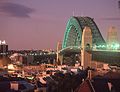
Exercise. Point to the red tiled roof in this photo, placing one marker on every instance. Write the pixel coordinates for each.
(85, 87)
(112, 75)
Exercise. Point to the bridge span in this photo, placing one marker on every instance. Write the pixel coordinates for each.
(82, 36)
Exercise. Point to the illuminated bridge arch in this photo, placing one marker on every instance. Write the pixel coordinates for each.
(74, 29)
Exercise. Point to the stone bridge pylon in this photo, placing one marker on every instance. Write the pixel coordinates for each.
(86, 45)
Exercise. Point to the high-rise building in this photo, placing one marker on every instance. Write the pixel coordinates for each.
(3, 47)
(112, 38)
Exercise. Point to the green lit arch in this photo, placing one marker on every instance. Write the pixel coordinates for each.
(74, 28)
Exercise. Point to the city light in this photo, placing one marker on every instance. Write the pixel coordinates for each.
(3, 42)
(11, 67)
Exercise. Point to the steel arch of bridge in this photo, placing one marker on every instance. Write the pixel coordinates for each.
(74, 29)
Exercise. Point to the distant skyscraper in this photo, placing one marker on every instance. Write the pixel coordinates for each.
(3, 47)
(112, 38)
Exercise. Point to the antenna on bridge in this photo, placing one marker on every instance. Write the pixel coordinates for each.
(82, 14)
(73, 13)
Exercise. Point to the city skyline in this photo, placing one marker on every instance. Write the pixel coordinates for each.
(41, 24)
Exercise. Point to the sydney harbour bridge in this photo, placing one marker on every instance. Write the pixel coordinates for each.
(84, 43)
(77, 41)
(74, 29)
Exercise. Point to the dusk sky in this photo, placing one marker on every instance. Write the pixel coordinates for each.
(40, 24)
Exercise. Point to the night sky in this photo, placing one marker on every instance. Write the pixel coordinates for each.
(40, 24)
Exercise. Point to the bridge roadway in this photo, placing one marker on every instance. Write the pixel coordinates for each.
(100, 55)
(78, 50)
(108, 56)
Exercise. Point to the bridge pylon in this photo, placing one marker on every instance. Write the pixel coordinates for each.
(59, 58)
(86, 46)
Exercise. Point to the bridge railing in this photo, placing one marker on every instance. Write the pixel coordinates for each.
(101, 47)
(111, 47)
